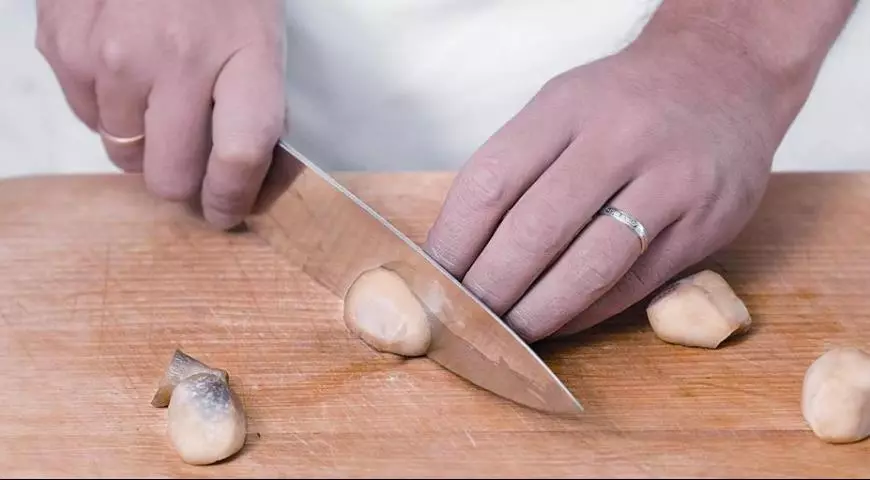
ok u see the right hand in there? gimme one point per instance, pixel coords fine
(203, 80)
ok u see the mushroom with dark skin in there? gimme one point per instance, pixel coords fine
(206, 420)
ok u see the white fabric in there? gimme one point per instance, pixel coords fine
(420, 84)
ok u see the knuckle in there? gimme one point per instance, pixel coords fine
(68, 53)
(244, 154)
(186, 50)
(484, 185)
(558, 83)
(45, 43)
(115, 56)
(702, 179)
(598, 274)
(538, 232)
(560, 91)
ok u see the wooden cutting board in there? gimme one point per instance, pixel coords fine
(100, 283)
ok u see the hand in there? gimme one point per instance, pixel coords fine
(678, 133)
(203, 80)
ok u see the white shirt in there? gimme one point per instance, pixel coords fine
(420, 84)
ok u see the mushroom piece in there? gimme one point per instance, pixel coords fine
(180, 367)
(700, 310)
(206, 419)
(382, 310)
(835, 396)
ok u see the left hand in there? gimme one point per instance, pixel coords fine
(197, 87)
(679, 134)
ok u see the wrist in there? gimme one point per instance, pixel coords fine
(778, 47)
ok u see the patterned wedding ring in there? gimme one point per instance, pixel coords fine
(628, 220)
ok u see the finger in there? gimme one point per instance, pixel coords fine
(122, 100)
(283, 170)
(492, 181)
(80, 94)
(599, 257)
(58, 31)
(543, 223)
(178, 123)
(662, 261)
(248, 120)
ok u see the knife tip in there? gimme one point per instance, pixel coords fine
(575, 408)
(567, 403)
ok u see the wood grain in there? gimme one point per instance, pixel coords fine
(100, 283)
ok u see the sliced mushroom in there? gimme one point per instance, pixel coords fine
(700, 310)
(180, 367)
(835, 396)
(206, 419)
(382, 310)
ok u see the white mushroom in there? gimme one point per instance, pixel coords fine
(698, 311)
(206, 419)
(835, 398)
(180, 367)
(382, 310)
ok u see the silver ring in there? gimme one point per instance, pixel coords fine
(631, 222)
(121, 140)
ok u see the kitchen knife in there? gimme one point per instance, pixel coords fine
(336, 237)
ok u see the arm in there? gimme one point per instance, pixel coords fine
(786, 41)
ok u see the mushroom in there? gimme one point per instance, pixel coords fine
(206, 419)
(700, 310)
(180, 367)
(382, 310)
(835, 397)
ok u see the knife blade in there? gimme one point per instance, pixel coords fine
(335, 237)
